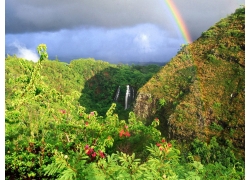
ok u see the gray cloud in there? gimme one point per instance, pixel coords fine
(110, 30)
(30, 16)
(145, 42)
(199, 15)
(34, 16)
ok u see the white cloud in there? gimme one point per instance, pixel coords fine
(25, 53)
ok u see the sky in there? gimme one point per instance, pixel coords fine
(117, 31)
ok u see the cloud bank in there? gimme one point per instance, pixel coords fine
(144, 42)
(110, 30)
(45, 15)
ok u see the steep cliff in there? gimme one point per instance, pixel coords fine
(201, 91)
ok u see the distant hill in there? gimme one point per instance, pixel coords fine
(147, 63)
(200, 93)
(95, 81)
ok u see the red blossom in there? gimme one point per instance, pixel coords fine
(94, 154)
(86, 147)
(121, 133)
(163, 140)
(86, 123)
(158, 144)
(127, 134)
(156, 119)
(90, 151)
(101, 154)
(161, 148)
(169, 145)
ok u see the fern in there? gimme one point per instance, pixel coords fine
(60, 166)
(68, 174)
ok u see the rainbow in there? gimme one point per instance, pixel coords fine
(178, 19)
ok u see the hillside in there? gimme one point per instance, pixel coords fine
(200, 93)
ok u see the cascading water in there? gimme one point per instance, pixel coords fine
(127, 96)
(117, 94)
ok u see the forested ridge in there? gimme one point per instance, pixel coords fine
(187, 120)
(200, 93)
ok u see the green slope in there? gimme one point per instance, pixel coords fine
(200, 93)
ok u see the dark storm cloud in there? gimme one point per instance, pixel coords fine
(46, 15)
(31, 16)
(110, 30)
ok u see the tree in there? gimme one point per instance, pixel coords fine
(42, 51)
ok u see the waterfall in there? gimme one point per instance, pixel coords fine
(117, 94)
(127, 96)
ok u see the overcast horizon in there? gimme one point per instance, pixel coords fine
(112, 31)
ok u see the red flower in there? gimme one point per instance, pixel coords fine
(102, 155)
(169, 145)
(86, 123)
(94, 154)
(163, 140)
(89, 152)
(158, 144)
(121, 133)
(86, 147)
(127, 134)
(156, 119)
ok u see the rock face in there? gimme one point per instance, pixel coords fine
(146, 103)
(201, 91)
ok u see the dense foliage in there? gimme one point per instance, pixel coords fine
(50, 136)
(61, 121)
(94, 81)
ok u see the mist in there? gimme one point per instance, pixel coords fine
(22, 52)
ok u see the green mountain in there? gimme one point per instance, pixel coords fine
(200, 93)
